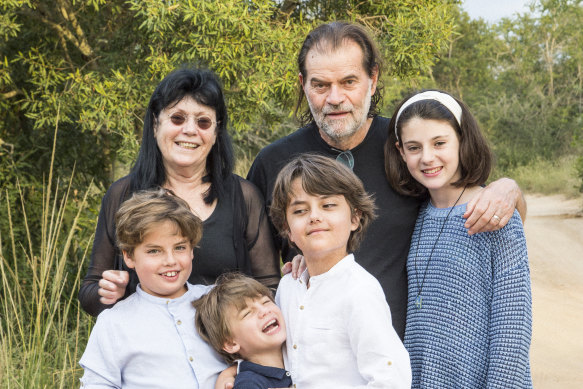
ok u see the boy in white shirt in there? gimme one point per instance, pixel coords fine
(149, 339)
(339, 331)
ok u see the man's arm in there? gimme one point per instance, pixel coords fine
(492, 208)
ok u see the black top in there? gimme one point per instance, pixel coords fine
(384, 249)
(254, 376)
(236, 237)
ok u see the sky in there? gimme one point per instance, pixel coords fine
(494, 10)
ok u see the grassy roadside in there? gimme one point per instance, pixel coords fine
(548, 177)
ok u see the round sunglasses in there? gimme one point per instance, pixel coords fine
(203, 122)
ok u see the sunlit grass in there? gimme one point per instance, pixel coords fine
(42, 327)
(548, 177)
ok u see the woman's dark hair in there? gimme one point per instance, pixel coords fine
(475, 157)
(205, 88)
(335, 34)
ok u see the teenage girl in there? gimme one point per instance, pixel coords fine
(469, 301)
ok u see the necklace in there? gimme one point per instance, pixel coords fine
(418, 298)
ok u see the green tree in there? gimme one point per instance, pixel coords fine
(522, 78)
(97, 62)
(92, 65)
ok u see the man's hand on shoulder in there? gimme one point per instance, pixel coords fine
(296, 267)
(492, 207)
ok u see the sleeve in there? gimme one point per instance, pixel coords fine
(256, 175)
(264, 180)
(245, 380)
(511, 314)
(104, 251)
(381, 357)
(102, 368)
(263, 255)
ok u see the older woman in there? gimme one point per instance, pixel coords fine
(186, 148)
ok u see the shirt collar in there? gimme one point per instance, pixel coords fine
(266, 371)
(344, 262)
(163, 300)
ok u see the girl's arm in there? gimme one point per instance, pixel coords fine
(511, 316)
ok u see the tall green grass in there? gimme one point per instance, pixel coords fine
(42, 327)
(547, 177)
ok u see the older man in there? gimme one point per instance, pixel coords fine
(339, 70)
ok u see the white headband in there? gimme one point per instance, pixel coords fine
(445, 99)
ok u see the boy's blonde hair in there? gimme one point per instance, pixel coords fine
(137, 215)
(322, 176)
(212, 310)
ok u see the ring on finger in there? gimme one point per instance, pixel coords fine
(497, 218)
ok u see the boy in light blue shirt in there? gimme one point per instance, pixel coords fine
(149, 339)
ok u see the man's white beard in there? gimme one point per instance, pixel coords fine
(340, 130)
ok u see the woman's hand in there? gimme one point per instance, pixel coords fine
(295, 267)
(112, 286)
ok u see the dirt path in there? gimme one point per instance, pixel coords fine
(554, 234)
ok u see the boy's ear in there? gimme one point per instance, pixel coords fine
(288, 235)
(355, 220)
(231, 347)
(128, 260)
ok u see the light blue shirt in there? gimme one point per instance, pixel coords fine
(150, 342)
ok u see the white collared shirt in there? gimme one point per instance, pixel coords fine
(339, 331)
(150, 342)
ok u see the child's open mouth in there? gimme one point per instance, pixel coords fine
(170, 274)
(271, 326)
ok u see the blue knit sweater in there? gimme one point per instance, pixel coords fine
(473, 327)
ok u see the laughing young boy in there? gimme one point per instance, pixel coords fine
(149, 339)
(240, 320)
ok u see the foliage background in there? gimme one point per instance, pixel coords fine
(88, 67)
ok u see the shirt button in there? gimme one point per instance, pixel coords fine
(190, 359)
(179, 322)
(301, 307)
(389, 363)
(295, 346)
